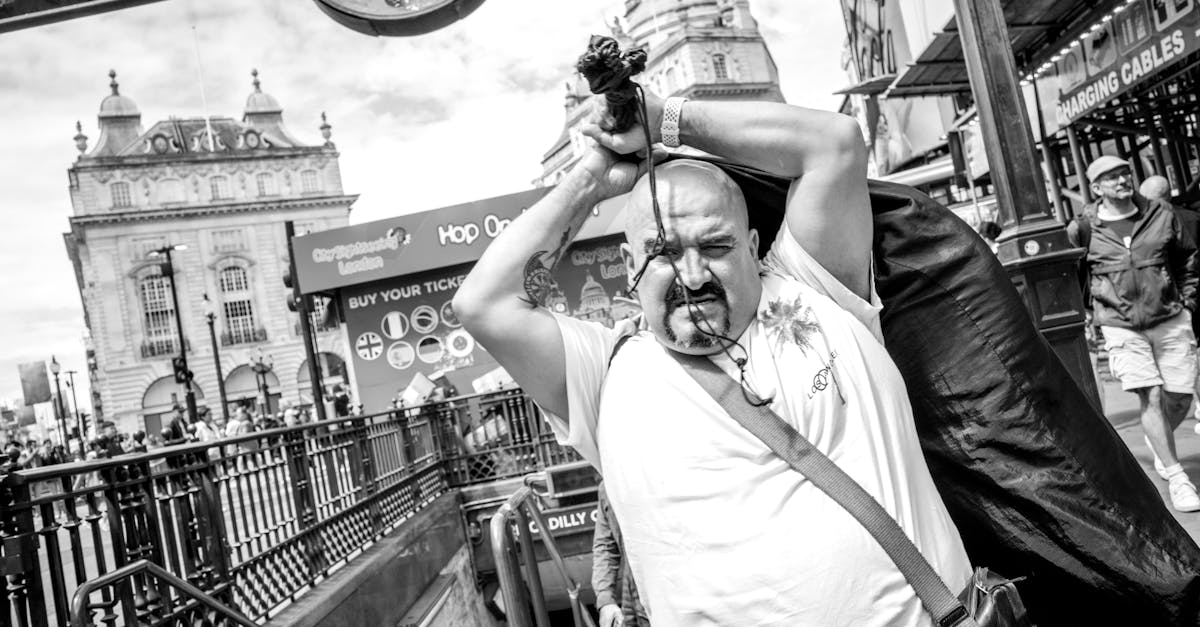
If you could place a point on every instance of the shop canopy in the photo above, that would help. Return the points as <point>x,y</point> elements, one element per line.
<point>1038,29</point>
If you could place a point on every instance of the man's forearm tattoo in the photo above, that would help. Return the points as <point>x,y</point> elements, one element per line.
<point>538,280</point>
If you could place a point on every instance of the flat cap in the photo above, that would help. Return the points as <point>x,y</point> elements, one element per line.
<point>1104,164</point>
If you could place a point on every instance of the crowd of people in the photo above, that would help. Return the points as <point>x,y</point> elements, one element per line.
<point>206,427</point>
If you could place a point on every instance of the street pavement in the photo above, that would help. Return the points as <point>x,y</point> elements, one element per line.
<point>1122,410</point>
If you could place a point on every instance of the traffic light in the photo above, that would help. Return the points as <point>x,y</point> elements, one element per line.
<point>181,371</point>
<point>331,315</point>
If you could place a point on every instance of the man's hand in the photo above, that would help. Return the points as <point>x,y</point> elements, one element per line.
<point>610,616</point>
<point>609,166</point>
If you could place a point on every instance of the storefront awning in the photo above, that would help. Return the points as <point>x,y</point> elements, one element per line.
<point>870,87</point>
<point>939,169</point>
<point>1037,28</point>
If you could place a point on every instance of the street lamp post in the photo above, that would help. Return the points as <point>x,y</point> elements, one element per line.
<point>168,270</point>
<point>1033,247</point>
<point>59,411</point>
<point>75,403</point>
<point>210,315</point>
<point>261,366</point>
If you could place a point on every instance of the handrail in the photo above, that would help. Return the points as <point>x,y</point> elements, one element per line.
<point>79,602</point>
<point>227,514</point>
<point>525,502</point>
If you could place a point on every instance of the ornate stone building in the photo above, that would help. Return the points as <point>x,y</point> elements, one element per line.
<point>700,49</point>
<point>219,191</point>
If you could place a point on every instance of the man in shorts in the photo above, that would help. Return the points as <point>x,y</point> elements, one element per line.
<point>1142,279</point>
<point>719,530</point>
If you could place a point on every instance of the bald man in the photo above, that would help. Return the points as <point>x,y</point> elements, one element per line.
<point>717,528</point>
<point>1156,188</point>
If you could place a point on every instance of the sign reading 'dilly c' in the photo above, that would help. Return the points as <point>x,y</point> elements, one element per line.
<point>1142,38</point>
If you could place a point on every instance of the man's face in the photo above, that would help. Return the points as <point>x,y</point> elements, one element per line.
<point>1114,185</point>
<point>708,259</point>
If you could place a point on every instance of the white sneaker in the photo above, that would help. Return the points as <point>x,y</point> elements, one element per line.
<point>1158,465</point>
<point>1183,496</point>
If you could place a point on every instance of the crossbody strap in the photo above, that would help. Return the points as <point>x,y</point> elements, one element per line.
<point>788,444</point>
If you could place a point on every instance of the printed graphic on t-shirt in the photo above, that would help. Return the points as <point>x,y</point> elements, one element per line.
<point>789,322</point>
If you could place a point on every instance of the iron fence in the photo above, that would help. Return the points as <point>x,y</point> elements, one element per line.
<point>253,521</point>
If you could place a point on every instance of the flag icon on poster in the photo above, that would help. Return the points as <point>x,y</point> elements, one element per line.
<point>369,346</point>
<point>459,343</point>
<point>395,325</point>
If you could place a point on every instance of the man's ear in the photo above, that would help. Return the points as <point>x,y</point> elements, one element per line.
<point>753,240</point>
<point>631,267</point>
<point>1095,187</point>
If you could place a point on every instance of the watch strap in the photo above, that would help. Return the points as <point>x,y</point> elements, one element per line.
<point>672,113</point>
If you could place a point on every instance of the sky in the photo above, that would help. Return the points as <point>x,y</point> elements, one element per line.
<point>421,122</point>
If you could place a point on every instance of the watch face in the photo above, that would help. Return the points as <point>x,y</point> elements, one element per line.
<point>252,140</point>
<point>397,17</point>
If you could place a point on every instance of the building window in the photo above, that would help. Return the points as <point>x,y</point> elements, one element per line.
<point>266,184</point>
<point>120,195</point>
<point>239,322</point>
<point>237,307</point>
<point>228,241</point>
<point>158,316</point>
<point>233,279</point>
<point>720,71</point>
<point>309,182</point>
<point>220,188</point>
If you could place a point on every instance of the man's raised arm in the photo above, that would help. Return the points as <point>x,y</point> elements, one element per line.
<point>500,302</point>
<point>828,208</point>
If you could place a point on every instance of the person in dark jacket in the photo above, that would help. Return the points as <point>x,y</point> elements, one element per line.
<point>617,599</point>
<point>1142,279</point>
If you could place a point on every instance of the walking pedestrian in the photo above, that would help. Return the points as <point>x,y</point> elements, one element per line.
<point>1142,281</point>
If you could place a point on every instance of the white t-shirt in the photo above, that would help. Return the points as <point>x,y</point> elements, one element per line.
<point>721,531</point>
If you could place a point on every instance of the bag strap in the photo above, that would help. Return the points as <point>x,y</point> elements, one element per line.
<point>798,452</point>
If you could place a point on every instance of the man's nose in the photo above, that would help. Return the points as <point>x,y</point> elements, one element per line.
<point>693,270</point>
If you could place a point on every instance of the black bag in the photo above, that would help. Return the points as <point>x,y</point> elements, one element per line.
<point>1036,480</point>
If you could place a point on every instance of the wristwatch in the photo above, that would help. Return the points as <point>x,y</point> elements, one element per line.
<point>672,112</point>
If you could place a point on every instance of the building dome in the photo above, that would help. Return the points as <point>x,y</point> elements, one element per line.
<point>259,102</point>
<point>115,105</point>
<point>593,293</point>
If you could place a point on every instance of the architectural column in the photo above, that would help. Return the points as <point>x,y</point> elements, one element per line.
<point>1033,245</point>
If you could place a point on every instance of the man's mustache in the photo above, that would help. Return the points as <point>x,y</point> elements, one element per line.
<point>678,295</point>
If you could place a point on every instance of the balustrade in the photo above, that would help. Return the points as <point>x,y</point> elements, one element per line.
<point>251,521</point>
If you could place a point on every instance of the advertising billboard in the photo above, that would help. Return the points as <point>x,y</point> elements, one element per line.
<point>406,244</point>
<point>1140,40</point>
<point>403,326</point>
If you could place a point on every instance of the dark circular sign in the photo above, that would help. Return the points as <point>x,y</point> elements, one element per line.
<point>397,18</point>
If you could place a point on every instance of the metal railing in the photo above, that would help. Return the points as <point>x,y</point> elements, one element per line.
<point>152,585</point>
<point>252,521</point>
<point>523,594</point>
